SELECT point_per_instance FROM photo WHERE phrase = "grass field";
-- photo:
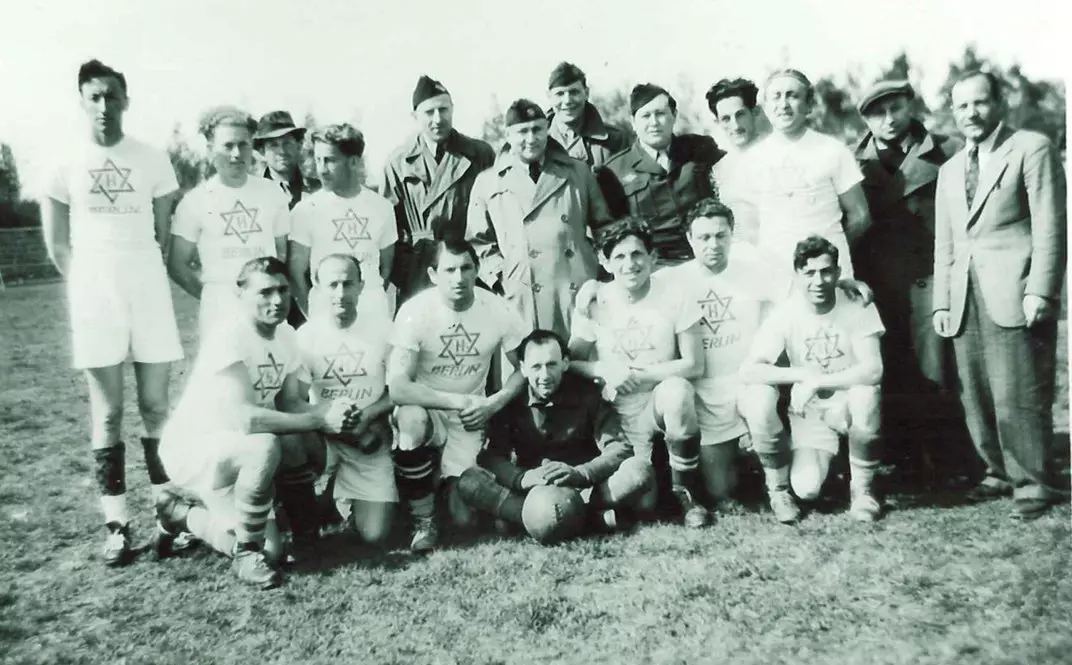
(934, 582)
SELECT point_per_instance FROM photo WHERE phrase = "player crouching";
(640, 339)
(569, 448)
(226, 439)
(444, 340)
(344, 356)
(834, 368)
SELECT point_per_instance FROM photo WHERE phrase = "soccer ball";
(552, 514)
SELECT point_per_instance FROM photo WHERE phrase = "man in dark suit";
(999, 264)
(661, 176)
(899, 160)
(279, 140)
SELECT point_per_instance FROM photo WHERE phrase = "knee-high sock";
(863, 457)
(297, 495)
(414, 471)
(110, 474)
(253, 501)
(158, 478)
(684, 462)
(480, 490)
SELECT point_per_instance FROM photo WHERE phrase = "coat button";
(565, 218)
(568, 253)
(921, 283)
(536, 288)
(533, 253)
(573, 287)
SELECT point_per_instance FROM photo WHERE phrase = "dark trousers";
(1006, 387)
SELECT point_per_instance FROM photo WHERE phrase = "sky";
(358, 60)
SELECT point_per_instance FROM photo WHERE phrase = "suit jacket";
(536, 234)
(1012, 237)
(595, 143)
(901, 236)
(299, 185)
(635, 184)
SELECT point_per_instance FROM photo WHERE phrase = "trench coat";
(536, 236)
(430, 202)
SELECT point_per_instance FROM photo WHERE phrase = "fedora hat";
(273, 125)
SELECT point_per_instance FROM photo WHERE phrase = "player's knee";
(414, 427)
(638, 476)
(153, 408)
(265, 450)
(461, 514)
(374, 532)
(807, 481)
(674, 396)
(758, 406)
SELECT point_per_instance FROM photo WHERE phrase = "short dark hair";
(540, 336)
(454, 246)
(625, 227)
(708, 207)
(813, 247)
(991, 78)
(344, 136)
(269, 265)
(724, 89)
(95, 69)
(225, 115)
(342, 257)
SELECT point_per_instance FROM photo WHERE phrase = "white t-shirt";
(348, 363)
(795, 186)
(637, 334)
(730, 304)
(731, 182)
(361, 226)
(110, 194)
(267, 363)
(232, 225)
(820, 341)
(455, 348)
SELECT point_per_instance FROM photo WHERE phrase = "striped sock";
(253, 505)
(684, 462)
(414, 475)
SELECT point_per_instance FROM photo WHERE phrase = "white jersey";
(348, 363)
(231, 225)
(730, 304)
(360, 226)
(455, 349)
(823, 342)
(267, 364)
(795, 186)
(730, 180)
(110, 194)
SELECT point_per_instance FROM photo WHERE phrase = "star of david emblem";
(110, 181)
(344, 365)
(269, 377)
(716, 310)
(823, 347)
(351, 228)
(789, 178)
(241, 221)
(632, 339)
(459, 345)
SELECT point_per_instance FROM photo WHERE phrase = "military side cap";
(642, 94)
(885, 89)
(275, 124)
(523, 110)
(427, 88)
(566, 73)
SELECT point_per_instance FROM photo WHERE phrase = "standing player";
(733, 104)
(730, 289)
(226, 439)
(345, 217)
(835, 369)
(443, 344)
(226, 220)
(105, 220)
(344, 356)
(641, 341)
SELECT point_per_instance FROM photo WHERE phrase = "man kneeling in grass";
(574, 469)
(834, 369)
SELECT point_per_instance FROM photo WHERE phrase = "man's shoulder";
(1028, 140)
(475, 149)
(699, 148)
(622, 161)
(579, 389)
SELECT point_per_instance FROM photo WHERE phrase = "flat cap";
(885, 89)
(523, 110)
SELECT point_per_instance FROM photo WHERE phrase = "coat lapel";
(552, 179)
(995, 166)
(415, 164)
(916, 171)
(450, 171)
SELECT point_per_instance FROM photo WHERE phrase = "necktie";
(534, 171)
(663, 160)
(439, 152)
(971, 177)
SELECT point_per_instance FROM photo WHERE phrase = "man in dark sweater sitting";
(575, 470)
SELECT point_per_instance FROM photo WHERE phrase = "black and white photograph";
(496, 332)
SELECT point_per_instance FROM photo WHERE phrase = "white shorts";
(637, 416)
(459, 446)
(120, 305)
(822, 424)
(219, 304)
(193, 462)
(362, 476)
(717, 414)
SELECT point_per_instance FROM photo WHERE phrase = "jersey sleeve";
(222, 350)
(406, 332)
(514, 330)
(582, 328)
(846, 170)
(301, 230)
(58, 185)
(770, 339)
(688, 312)
(867, 322)
(165, 181)
(188, 217)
